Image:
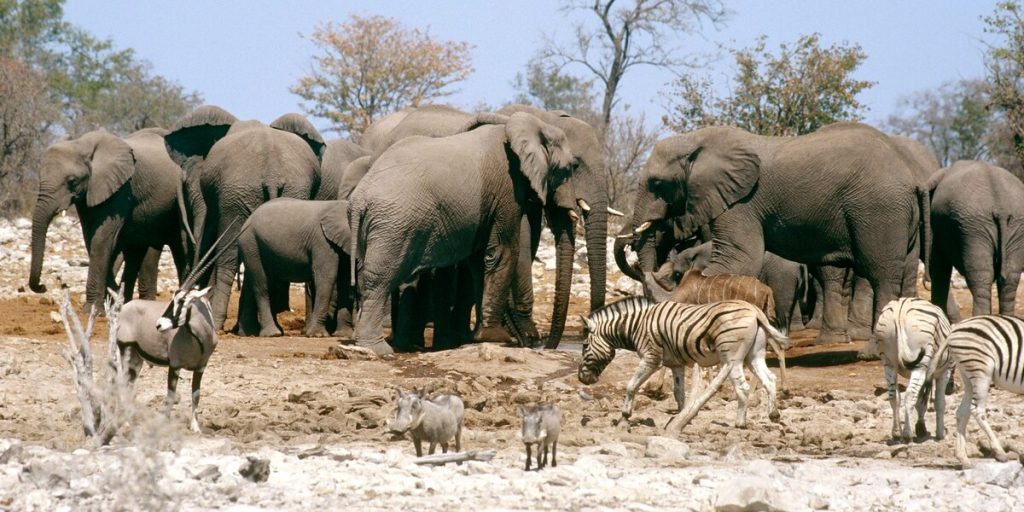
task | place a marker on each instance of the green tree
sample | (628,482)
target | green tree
(950,120)
(370,67)
(545,86)
(629,36)
(799,90)
(1004,61)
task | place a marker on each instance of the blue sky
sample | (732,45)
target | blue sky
(243,55)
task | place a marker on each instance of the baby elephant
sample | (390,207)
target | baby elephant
(436,420)
(294,241)
(541,425)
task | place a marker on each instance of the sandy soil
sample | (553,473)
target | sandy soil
(320,420)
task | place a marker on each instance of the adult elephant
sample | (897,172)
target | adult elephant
(837,198)
(588,186)
(924,165)
(978,220)
(231,167)
(434,202)
(124,191)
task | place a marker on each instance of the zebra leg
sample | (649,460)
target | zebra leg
(679,386)
(920,429)
(913,398)
(940,403)
(980,414)
(760,370)
(962,414)
(643,372)
(894,398)
(682,418)
(739,384)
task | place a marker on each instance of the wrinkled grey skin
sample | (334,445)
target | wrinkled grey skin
(589,185)
(756,191)
(294,241)
(541,425)
(924,166)
(124,191)
(334,183)
(978,221)
(788,281)
(468,187)
(231,168)
(435,421)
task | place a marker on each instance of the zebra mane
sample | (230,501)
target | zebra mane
(621,307)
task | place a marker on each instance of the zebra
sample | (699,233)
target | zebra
(986,350)
(909,331)
(730,333)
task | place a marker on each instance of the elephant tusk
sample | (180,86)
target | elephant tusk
(624,237)
(615,212)
(643,227)
(583,205)
(574,216)
(63,213)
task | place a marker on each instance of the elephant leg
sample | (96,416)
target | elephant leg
(835,283)
(248,316)
(941,270)
(133,261)
(522,289)
(280,296)
(325,277)
(860,310)
(978,271)
(1007,284)
(226,268)
(444,295)
(344,305)
(814,322)
(101,261)
(407,322)
(496,289)
(149,273)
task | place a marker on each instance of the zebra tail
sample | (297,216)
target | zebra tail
(775,335)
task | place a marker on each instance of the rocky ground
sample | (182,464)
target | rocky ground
(318,421)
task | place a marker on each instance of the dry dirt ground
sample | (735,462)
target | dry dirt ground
(320,422)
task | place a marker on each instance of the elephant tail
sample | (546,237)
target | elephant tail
(924,203)
(355,216)
(1002,239)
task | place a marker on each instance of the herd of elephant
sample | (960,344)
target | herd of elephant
(436,214)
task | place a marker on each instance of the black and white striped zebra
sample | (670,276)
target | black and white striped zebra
(730,333)
(987,350)
(909,333)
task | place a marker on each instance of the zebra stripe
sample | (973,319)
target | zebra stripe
(909,333)
(987,350)
(730,333)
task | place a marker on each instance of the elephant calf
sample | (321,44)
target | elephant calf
(293,241)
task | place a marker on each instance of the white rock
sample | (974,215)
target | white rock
(666,448)
(1003,474)
(23,223)
(751,494)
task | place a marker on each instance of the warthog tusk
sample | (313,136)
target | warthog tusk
(615,212)
(583,205)
(643,227)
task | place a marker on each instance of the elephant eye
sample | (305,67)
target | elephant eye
(676,276)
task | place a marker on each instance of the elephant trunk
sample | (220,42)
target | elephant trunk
(41,217)
(596,226)
(620,254)
(647,211)
(565,249)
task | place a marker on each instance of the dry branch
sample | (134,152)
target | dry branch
(445,458)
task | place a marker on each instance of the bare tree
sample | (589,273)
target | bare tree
(950,120)
(1005,63)
(630,36)
(370,67)
(27,114)
(627,142)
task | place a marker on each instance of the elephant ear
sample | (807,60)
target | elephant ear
(541,148)
(483,119)
(193,135)
(111,163)
(720,171)
(299,125)
(334,224)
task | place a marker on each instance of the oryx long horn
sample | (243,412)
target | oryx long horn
(210,257)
